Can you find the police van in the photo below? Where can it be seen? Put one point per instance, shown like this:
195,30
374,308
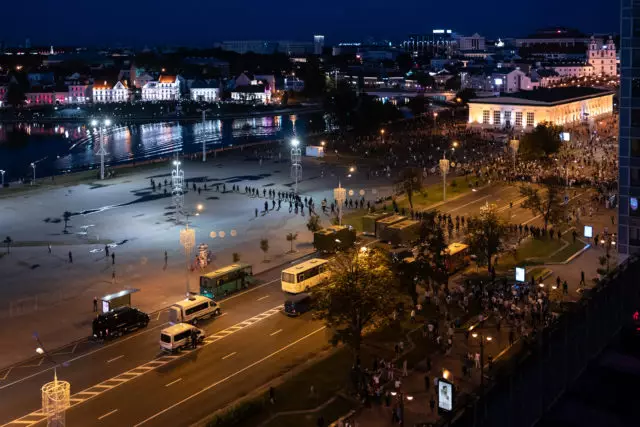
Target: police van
193,309
176,337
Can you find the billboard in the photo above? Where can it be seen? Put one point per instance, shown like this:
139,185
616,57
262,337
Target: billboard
445,395
520,274
588,231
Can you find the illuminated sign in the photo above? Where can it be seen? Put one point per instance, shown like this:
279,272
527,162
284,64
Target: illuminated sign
566,136
520,274
498,81
438,31
588,231
445,395
636,315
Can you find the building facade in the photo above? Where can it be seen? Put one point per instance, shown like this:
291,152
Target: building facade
629,138
524,110
474,42
252,94
45,97
203,91
105,91
602,58
167,88
318,44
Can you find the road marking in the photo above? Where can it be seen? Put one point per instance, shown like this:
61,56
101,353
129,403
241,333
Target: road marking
73,350
275,333
228,355
173,382
32,366
264,297
105,386
209,387
470,203
250,290
107,414
6,373
115,358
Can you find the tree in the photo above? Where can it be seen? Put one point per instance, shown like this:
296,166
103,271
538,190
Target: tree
465,95
424,80
236,257
264,247
485,235
15,95
66,216
454,83
548,205
292,237
417,105
8,241
313,224
431,247
542,141
411,182
358,295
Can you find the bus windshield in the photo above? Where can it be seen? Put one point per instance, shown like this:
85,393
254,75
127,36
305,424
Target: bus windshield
288,277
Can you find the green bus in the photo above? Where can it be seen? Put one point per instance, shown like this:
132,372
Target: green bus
226,280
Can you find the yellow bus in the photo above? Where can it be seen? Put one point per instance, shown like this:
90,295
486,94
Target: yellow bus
304,276
456,257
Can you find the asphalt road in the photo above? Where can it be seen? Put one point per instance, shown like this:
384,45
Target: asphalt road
128,381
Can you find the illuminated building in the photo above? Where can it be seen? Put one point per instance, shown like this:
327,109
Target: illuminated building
105,91
524,110
167,88
602,58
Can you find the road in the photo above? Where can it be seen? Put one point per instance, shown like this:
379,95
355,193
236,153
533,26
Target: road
252,342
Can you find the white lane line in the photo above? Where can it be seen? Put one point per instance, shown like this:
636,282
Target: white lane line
107,414
209,387
228,355
115,358
470,203
250,290
275,333
264,297
173,382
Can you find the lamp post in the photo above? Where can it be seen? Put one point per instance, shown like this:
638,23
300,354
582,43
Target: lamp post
55,394
101,151
296,163
435,118
177,191
444,168
608,243
2,173
382,135
482,337
340,195
204,150
33,166
188,241
514,144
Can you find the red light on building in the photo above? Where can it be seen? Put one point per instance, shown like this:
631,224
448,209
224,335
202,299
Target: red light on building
636,316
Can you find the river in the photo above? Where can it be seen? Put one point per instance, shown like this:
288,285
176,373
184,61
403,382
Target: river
65,147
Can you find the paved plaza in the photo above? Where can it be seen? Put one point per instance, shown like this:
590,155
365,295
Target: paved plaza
45,293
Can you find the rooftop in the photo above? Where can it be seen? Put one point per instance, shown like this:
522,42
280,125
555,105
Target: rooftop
545,97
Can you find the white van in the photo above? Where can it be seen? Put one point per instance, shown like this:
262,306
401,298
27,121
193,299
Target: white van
192,309
177,337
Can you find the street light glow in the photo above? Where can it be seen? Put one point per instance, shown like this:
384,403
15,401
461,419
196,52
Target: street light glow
295,142
39,350
94,123
352,169
107,122
199,207
475,335
489,338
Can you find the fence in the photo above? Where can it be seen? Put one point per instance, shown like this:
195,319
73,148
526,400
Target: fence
31,304
526,385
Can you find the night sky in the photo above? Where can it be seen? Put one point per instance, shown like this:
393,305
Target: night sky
202,22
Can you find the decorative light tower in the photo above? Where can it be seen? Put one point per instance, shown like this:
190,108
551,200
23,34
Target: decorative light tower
177,192
340,195
33,166
55,394
514,144
188,241
296,163
444,168
204,140
101,150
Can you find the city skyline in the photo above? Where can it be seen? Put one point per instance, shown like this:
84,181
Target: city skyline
203,24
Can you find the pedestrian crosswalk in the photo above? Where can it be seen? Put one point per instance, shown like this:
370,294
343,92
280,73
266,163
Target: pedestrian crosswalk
96,390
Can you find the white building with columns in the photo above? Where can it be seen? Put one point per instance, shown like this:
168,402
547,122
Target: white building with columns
167,88
105,91
524,110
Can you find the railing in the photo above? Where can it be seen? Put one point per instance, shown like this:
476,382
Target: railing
527,384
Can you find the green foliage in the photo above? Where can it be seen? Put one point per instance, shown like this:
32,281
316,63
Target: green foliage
359,294
485,235
424,79
417,105
264,247
236,257
453,83
543,141
465,95
313,224
549,205
431,245
238,413
411,182
292,237
8,241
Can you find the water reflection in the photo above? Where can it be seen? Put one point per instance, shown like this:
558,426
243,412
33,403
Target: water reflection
67,146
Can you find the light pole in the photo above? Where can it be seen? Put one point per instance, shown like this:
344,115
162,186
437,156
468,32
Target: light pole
608,244
382,135
482,339
204,150
296,163
444,168
340,195
2,173
435,118
514,144
188,241
177,190
55,394
101,150
33,166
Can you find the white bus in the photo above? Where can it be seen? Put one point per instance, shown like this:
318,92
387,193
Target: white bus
304,276
192,309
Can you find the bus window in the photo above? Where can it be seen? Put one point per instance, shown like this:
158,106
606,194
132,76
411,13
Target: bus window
288,277
300,277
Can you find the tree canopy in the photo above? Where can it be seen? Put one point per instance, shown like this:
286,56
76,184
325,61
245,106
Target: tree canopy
542,141
360,293
548,204
485,235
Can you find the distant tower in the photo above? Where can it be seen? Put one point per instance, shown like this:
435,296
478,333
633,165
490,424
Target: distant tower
27,43
602,58
51,52
318,44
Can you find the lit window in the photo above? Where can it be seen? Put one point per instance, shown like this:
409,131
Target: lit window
530,117
496,117
518,118
485,117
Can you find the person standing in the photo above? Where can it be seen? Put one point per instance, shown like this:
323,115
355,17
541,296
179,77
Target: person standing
49,247
95,304
106,250
70,258
113,258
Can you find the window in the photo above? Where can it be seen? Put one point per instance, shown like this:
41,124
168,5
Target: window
530,117
496,117
181,336
196,309
518,118
507,116
634,178
635,147
636,27
635,117
485,117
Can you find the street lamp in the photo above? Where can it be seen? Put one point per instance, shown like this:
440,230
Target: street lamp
33,166
514,144
101,151
444,168
2,173
482,340
382,135
296,163
188,241
177,191
340,195
55,394
204,151
435,118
